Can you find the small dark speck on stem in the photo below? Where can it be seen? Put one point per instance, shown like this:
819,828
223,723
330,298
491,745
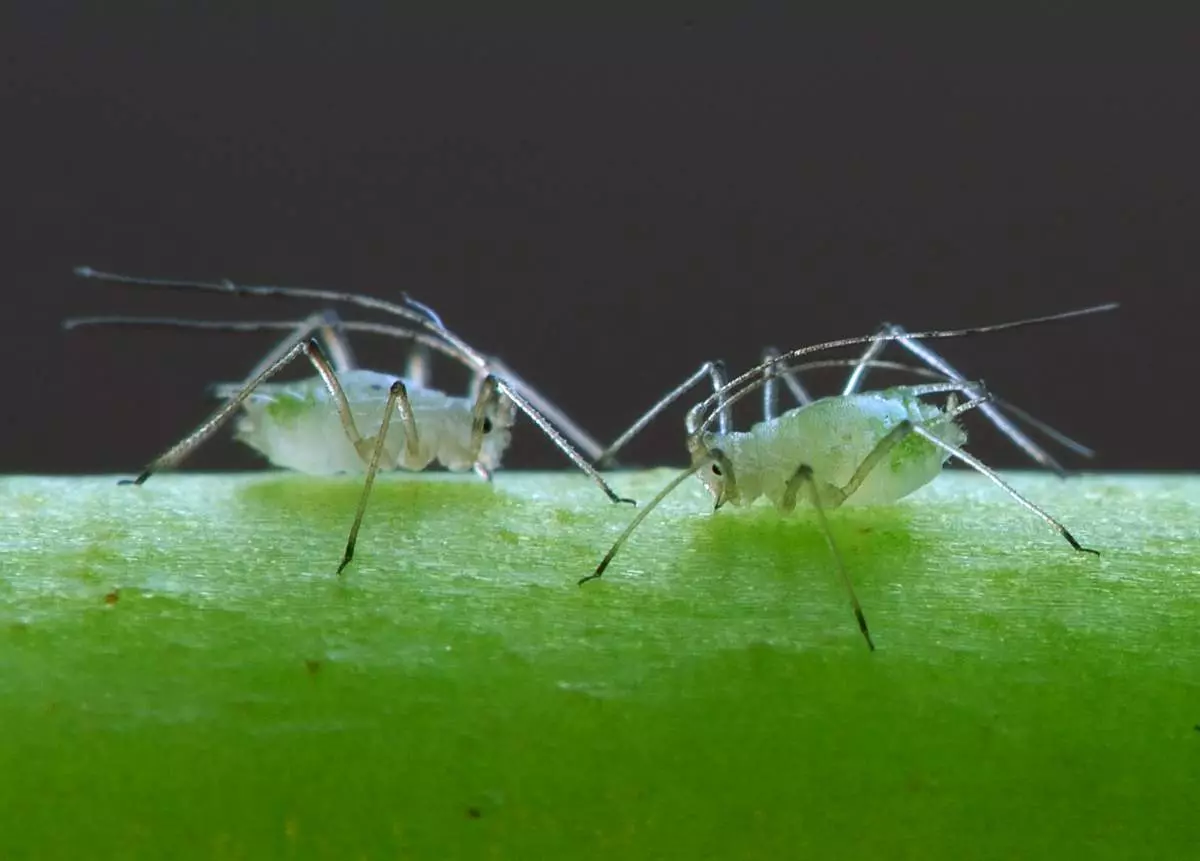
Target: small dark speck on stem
474,812
112,597
312,666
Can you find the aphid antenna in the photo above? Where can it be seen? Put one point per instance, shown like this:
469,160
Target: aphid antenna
888,365
720,397
579,437
424,317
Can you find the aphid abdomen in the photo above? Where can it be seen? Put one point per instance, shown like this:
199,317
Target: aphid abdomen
913,462
835,435
297,426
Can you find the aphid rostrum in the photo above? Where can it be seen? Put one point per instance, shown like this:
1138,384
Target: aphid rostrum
349,419
857,447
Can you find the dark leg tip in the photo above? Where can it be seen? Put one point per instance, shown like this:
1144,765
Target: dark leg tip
346,557
862,626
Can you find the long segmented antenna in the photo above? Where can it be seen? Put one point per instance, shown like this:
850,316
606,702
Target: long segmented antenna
424,316
889,365
581,438
722,395
577,435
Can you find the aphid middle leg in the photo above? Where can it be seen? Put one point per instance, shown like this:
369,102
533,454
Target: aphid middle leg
803,478
397,400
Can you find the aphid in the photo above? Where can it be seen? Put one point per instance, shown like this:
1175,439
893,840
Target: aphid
313,425
858,447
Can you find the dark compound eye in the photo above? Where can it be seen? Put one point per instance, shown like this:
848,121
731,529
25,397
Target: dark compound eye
487,425
716,470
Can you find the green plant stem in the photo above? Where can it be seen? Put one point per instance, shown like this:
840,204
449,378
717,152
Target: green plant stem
183,675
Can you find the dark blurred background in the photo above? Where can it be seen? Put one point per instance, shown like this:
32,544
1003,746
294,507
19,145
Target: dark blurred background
603,201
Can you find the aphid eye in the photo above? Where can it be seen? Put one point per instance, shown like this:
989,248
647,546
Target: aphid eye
487,425
716,470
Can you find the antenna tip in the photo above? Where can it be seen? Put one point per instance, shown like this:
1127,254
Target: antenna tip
85,271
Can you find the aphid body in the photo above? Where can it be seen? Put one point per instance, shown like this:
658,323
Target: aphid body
833,436
296,425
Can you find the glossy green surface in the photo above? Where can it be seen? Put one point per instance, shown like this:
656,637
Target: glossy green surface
181,675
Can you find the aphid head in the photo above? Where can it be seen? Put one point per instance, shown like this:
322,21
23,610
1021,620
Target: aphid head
497,433
717,473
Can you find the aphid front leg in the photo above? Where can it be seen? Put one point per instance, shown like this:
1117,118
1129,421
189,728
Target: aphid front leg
487,395
714,370
803,478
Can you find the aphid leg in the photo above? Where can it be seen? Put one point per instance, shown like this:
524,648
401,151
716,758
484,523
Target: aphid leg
346,416
417,368
714,370
397,400
790,379
905,427
519,401
770,391
982,468
715,456
487,393
803,477
992,411
178,452
327,326
578,437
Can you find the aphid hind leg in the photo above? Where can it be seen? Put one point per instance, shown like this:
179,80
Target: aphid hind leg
803,478
983,469
308,348
328,328
714,370
993,412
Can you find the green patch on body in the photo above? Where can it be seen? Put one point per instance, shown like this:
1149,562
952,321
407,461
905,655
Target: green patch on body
286,407
910,451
